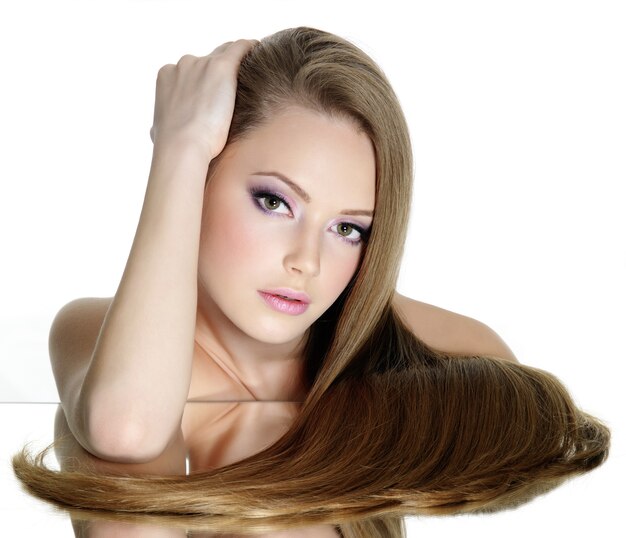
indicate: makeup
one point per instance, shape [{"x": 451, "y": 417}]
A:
[
  {"x": 259, "y": 193},
  {"x": 285, "y": 306}
]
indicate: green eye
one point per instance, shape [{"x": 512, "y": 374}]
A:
[
  {"x": 269, "y": 202},
  {"x": 345, "y": 230},
  {"x": 342, "y": 229},
  {"x": 272, "y": 202}
]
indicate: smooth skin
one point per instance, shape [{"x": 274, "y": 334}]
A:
[
  {"x": 130, "y": 404},
  {"x": 125, "y": 366},
  {"x": 71, "y": 455},
  {"x": 259, "y": 233}
]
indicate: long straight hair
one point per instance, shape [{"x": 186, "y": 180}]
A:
[{"x": 390, "y": 426}]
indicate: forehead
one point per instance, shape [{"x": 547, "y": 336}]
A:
[{"x": 318, "y": 152}]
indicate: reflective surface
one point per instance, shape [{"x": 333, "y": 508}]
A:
[
  {"x": 215, "y": 434},
  {"x": 223, "y": 432}
]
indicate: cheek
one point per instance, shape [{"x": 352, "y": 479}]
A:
[
  {"x": 231, "y": 241},
  {"x": 245, "y": 242},
  {"x": 341, "y": 266},
  {"x": 238, "y": 244}
]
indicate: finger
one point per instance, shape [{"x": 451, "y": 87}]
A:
[
  {"x": 187, "y": 59},
  {"x": 242, "y": 46},
  {"x": 222, "y": 47},
  {"x": 246, "y": 43},
  {"x": 239, "y": 45}
]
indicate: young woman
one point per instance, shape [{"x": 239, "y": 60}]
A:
[{"x": 264, "y": 268}]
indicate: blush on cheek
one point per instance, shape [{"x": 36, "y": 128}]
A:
[
  {"x": 223, "y": 245},
  {"x": 350, "y": 270},
  {"x": 243, "y": 241},
  {"x": 342, "y": 272}
]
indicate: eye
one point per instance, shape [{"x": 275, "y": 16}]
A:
[
  {"x": 351, "y": 233},
  {"x": 269, "y": 202}
]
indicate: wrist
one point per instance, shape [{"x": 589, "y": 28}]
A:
[
  {"x": 179, "y": 162},
  {"x": 186, "y": 147}
]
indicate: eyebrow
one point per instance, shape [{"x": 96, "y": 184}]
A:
[{"x": 305, "y": 195}]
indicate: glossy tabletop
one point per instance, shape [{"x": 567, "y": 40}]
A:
[{"x": 578, "y": 508}]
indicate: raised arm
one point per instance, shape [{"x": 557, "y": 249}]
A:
[{"x": 130, "y": 403}]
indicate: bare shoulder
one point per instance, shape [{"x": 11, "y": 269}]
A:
[
  {"x": 72, "y": 338},
  {"x": 77, "y": 321},
  {"x": 448, "y": 331}
]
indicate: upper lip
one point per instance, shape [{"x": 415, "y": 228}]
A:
[{"x": 288, "y": 292}]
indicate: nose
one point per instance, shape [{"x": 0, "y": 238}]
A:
[{"x": 303, "y": 256}]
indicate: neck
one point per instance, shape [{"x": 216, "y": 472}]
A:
[{"x": 272, "y": 371}]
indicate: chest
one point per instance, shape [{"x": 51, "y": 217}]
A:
[
  {"x": 220, "y": 433},
  {"x": 228, "y": 418}
]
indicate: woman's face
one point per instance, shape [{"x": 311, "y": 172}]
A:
[{"x": 285, "y": 209}]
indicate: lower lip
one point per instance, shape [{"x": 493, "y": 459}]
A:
[{"x": 294, "y": 308}]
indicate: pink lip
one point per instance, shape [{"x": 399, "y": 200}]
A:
[
  {"x": 292, "y": 294},
  {"x": 294, "y": 308}
]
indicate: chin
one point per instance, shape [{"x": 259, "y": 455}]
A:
[
  {"x": 277, "y": 335},
  {"x": 276, "y": 331}
]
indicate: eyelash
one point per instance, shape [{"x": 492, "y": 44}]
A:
[{"x": 262, "y": 193}]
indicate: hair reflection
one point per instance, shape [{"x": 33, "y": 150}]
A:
[{"x": 213, "y": 444}]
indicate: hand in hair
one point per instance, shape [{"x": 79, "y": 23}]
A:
[
  {"x": 125, "y": 386},
  {"x": 195, "y": 98}
]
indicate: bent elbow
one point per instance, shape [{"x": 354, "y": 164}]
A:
[{"x": 121, "y": 440}]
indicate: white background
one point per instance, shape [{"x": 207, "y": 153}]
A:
[{"x": 517, "y": 117}]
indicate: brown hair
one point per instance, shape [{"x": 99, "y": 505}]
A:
[{"x": 390, "y": 426}]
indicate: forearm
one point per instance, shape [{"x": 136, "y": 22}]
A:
[
  {"x": 137, "y": 383},
  {"x": 71, "y": 455}
]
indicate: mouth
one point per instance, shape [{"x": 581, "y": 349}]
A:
[
  {"x": 286, "y": 298},
  {"x": 283, "y": 303},
  {"x": 288, "y": 294}
]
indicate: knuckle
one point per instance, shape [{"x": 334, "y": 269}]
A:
[
  {"x": 165, "y": 70},
  {"x": 186, "y": 59},
  {"x": 220, "y": 62}
]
